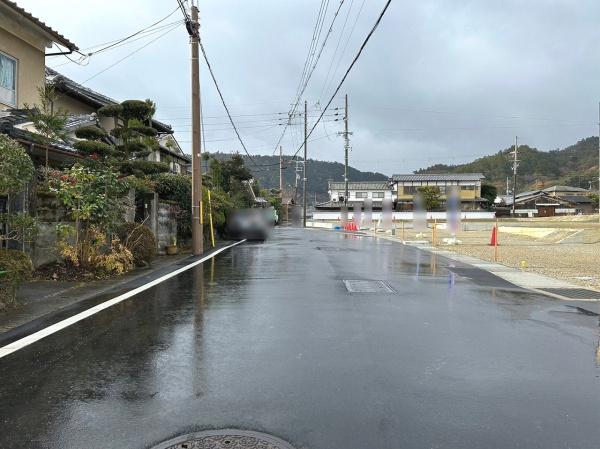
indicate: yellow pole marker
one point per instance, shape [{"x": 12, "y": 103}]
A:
[{"x": 212, "y": 231}]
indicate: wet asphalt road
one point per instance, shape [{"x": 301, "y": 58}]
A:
[{"x": 266, "y": 337}]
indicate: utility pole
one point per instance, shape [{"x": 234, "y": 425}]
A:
[
  {"x": 507, "y": 188},
  {"x": 281, "y": 173},
  {"x": 193, "y": 28},
  {"x": 346, "y": 135},
  {"x": 599, "y": 162},
  {"x": 515, "y": 165},
  {"x": 305, "y": 161}
]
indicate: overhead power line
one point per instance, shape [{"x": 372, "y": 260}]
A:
[
  {"x": 339, "y": 86},
  {"x": 113, "y": 44},
  {"x": 327, "y": 80},
  {"x": 212, "y": 75},
  {"x": 126, "y": 38},
  {"x": 307, "y": 62},
  {"x": 130, "y": 54}
]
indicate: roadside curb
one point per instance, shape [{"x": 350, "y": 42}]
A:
[
  {"x": 533, "y": 282},
  {"x": 528, "y": 281},
  {"x": 31, "y": 331}
]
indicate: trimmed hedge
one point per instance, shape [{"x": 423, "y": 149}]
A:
[
  {"x": 91, "y": 147},
  {"x": 142, "y": 167},
  {"x": 91, "y": 133},
  {"x": 135, "y": 109},
  {"x": 111, "y": 110},
  {"x": 138, "y": 239},
  {"x": 19, "y": 267}
]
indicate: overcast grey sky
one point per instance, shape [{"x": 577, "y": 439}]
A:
[{"x": 440, "y": 81}]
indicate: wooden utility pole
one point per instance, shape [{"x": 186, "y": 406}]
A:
[
  {"x": 305, "y": 161},
  {"x": 197, "y": 235},
  {"x": 515, "y": 165},
  {"x": 281, "y": 172}
]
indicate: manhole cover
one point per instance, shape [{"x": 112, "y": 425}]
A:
[
  {"x": 225, "y": 439},
  {"x": 366, "y": 286},
  {"x": 573, "y": 293}
]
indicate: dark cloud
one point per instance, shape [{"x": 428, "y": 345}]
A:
[{"x": 441, "y": 81}]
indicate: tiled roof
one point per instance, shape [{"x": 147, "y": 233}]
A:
[
  {"x": 527, "y": 193},
  {"x": 360, "y": 185},
  {"x": 420, "y": 177},
  {"x": 60, "y": 39},
  {"x": 577, "y": 199},
  {"x": 9, "y": 124},
  {"x": 89, "y": 96},
  {"x": 565, "y": 189}
]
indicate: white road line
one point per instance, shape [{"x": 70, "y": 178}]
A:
[{"x": 30, "y": 339}]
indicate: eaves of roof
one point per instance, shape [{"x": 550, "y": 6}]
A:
[
  {"x": 420, "y": 177},
  {"x": 91, "y": 97}
]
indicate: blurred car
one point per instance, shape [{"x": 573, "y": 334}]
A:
[{"x": 250, "y": 224}]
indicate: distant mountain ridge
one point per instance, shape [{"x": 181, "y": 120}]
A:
[
  {"x": 575, "y": 165},
  {"x": 266, "y": 171}
]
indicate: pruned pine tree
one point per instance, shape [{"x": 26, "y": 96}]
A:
[{"x": 129, "y": 142}]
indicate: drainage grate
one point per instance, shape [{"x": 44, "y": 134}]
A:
[
  {"x": 365, "y": 286},
  {"x": 573, "y": 293},
  {"x": 481, "y": 277},
  {"x": 225, "y": 439}
]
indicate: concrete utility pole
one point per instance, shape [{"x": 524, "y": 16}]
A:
[
  {"x": 305, "y": 161},
  {"x": 281, "y": 172},
  {"x": 515, "y": 165},
  {"x": 346, "y": 135},
  {"x": 197, "y": 237},
  {"x": 599, "y": 162}
]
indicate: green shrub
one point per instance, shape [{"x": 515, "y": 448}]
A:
[
  {"x": 135, "y": 109},
  {"x": 145, "y": 130},
  {"x": 142, "y": 167},
  {"x": 15, "y": 165},
  {"x": 91, "y": 147},
  {"x": 138, "y": 239},
  {"x": 91, "y": 133},
  {"x": 19, "y": 268},
  {"x": 111, "y": 110}
]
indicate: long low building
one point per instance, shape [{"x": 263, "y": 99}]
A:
[
  {"x": 556, "y": 200},
  {"x": 401, "y": 190}
]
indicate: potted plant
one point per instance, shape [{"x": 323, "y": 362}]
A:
[{"x": 172, "y": 248}]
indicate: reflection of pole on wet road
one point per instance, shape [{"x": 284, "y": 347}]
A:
[{"x": 212, "y": 271}]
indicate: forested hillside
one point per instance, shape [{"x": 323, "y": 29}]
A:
[
  {"x": 266, "y": 171},
  {"x": 575, "y": 165}
]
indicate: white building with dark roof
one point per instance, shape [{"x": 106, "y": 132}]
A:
[
  {"x": 405, "y": 186},
  {"x": 358, "y": 192}
]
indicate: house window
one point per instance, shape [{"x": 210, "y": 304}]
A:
[
  {"x": 467, "y": 187},
  {"x": 362, "y": 194},
  {"x": 410, "y": 190},
  {"x": 8, "y": 80},
  {"x": 378, "y": 194}
]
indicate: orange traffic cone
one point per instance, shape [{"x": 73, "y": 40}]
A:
[{"x": 494, "y": 239}]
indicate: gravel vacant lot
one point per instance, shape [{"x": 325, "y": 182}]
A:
[{"x": 568, "y": 250}]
